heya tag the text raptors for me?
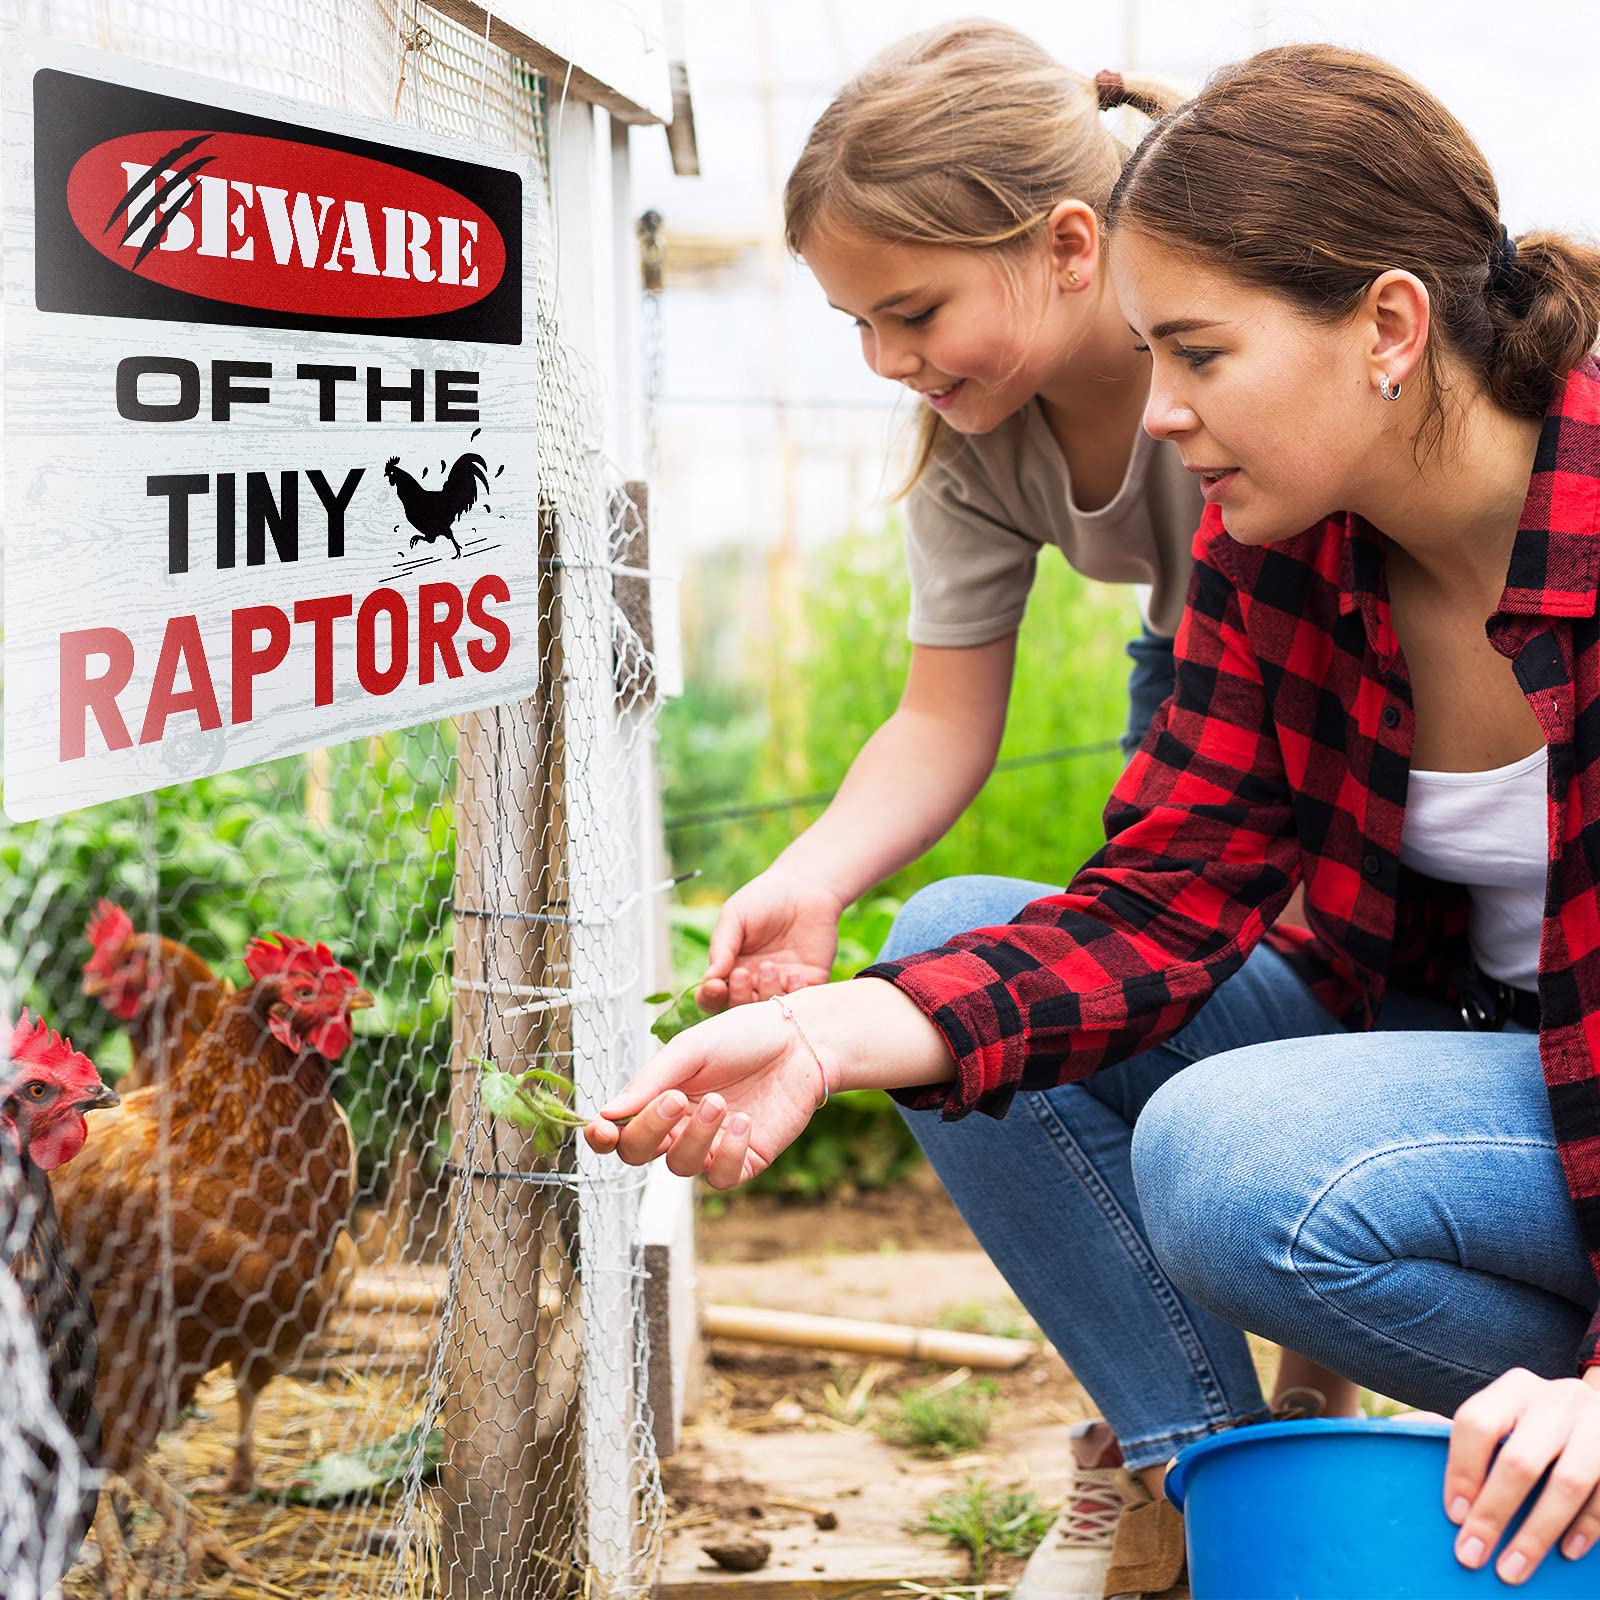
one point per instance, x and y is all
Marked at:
(393, 642)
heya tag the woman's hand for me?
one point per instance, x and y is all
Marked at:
(724, 1097)
(728, 1095)
(776, 934)
(1545, 1423)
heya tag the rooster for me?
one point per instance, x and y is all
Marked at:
(259, 1176)
(161, 991)
(434, 512)
(46, 1090)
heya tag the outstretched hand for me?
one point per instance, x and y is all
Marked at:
(775, 935)
(725, 1097)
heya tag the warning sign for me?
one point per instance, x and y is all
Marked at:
(270, 464)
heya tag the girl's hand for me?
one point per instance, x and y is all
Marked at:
(1545, 1423)
(725, 1097)
(777, 934)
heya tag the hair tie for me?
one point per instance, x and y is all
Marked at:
(1502, 264)
(1109, 90)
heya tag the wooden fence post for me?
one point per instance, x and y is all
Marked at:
(508, 1489)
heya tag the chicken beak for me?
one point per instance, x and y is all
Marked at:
(103, 1097)
(94, 984)
(361, 1001)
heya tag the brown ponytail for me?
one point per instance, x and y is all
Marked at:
(967, 135)
(1544, 312)
(1320, 169)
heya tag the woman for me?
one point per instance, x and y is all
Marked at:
(1380, 1134)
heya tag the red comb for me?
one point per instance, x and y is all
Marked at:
(262, 960)
(108, 927)
(37, 1045)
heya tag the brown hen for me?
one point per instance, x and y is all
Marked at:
(162, 992)
(259, 1172)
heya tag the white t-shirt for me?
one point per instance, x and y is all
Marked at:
(987, 503)
(1488, 831)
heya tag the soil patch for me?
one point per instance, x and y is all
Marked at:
(914, 1215)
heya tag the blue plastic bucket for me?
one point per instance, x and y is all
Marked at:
(1337, 1510)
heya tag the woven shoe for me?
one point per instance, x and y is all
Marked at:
(1070, 1562)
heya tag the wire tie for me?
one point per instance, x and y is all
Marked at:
(419, 40)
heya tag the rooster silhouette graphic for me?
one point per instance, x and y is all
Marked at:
(434, 512)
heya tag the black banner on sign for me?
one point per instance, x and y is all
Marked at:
(157, 208)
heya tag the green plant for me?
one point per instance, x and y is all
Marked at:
(943, 1420)
(537, 1101)
(986, 1522)
(1008, 1321)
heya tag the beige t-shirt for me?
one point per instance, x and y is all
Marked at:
(988, 502)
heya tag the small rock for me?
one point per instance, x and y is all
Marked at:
(742, 1552)
(826, 1520)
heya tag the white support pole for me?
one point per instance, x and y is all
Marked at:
(602, 872)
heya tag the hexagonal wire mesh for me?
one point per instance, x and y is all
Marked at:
(414, 1329)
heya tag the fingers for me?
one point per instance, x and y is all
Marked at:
(1536, 1420)
(728, 1159)
(601, 1136)
(648, 1134)
(1566, 1496)
(712, 995)
(1481, 1422)
(1585, 1530)
(726, 939)
(691, 1145)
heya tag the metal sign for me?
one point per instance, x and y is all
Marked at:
(270, 464)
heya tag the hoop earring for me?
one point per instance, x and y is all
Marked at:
(1386, 390)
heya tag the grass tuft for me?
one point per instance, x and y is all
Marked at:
(986, 1522)
(943, 1420)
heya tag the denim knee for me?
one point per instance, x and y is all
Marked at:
(931, 917)
(1219, 1204)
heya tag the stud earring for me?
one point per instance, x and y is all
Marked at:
(1386, 389)
(1072, 276)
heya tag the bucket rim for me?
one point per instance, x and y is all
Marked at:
(1266, 1432)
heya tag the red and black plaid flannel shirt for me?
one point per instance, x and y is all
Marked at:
(1282, 758)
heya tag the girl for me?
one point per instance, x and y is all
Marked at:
(1388, 686)
(966, 250)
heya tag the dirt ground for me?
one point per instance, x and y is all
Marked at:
(785, 1437)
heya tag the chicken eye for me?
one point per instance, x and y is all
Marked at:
(36, 1091)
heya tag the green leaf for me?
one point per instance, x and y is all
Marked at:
(503, 1097)
(680, 1014)
(372, 1471)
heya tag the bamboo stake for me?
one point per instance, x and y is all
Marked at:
(895, 1339)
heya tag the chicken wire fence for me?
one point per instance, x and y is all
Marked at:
(357, 1334)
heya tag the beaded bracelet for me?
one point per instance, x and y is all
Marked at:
(782, 1003)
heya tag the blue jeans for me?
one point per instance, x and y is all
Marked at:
(1149, 685)
(1393, 1207)
(1142, 1257)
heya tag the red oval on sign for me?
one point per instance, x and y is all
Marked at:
(282, 226)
